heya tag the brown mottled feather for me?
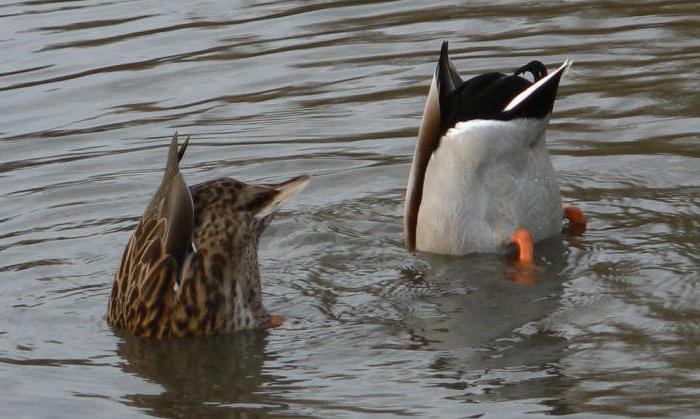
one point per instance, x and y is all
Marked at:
(164, 288)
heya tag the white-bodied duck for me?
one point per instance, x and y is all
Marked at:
(481, 178)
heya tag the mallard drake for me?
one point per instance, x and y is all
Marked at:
(481, 177)
(191, 266)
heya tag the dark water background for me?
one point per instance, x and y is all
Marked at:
(91, 90)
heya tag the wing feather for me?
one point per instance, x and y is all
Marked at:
(154, 254)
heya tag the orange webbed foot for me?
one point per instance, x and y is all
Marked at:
(577, 219)
(276, 321)
(525, 268)
(523, 242)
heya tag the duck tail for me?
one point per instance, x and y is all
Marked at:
(537, 101)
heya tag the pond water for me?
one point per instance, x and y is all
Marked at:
(91, 91)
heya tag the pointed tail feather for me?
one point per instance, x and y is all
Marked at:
(538, 100)
(446, 75)
(183, 148)
(172, 165)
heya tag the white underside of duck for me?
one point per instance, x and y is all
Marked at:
(481, 177)
(487, 179)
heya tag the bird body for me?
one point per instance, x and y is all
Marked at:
(481, 169)
(472, 207)
(191, 266)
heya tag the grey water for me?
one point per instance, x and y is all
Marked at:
(91, 91)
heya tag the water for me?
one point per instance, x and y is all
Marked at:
(90, 92)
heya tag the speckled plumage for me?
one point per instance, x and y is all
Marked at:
(191, 266)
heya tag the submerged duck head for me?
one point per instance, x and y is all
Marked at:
(481, 169)
(191, 266)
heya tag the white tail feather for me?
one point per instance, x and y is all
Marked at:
(527, 92)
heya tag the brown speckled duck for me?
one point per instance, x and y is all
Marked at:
(191, 266)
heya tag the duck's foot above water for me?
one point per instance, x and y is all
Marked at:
(275, 321)
(523, 242)
(525, 269)
(577, 220)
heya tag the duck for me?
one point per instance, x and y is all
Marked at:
(481, 179)
(190, 268)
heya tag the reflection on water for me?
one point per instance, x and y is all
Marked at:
(91, 90)
(200, 376)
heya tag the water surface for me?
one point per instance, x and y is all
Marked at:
(91, 90)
